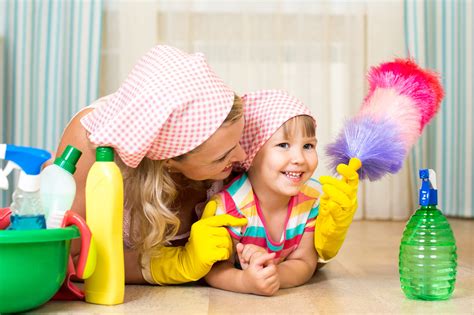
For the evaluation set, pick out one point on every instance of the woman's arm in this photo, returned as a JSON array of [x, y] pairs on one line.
[[300, 265], [75, 135], [133, 270]]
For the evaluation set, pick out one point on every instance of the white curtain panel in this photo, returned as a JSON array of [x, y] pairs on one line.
[[319, 51], [440, 35]]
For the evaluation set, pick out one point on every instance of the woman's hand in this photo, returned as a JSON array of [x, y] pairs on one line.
[[208, 243], [209, 240]]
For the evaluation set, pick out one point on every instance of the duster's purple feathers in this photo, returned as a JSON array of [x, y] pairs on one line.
[[376, 143]]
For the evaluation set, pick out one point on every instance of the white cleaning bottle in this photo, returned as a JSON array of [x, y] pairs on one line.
[[58, 187]]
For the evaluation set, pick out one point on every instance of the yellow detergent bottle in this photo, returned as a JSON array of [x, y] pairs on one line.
[[104, 216]]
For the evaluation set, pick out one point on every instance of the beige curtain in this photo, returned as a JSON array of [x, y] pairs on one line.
[[317, 50]]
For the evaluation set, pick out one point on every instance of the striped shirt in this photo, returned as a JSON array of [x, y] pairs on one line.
[[239, 200]]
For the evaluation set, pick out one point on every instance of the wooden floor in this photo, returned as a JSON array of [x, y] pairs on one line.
[[363, 279]]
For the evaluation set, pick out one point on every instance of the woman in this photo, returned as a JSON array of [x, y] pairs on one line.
[[175, 127]]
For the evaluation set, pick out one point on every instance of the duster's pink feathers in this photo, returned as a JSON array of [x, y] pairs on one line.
[[402, 99], [422, 86]]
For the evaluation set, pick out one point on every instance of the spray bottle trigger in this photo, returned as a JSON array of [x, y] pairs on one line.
[[432, 178], [3, 181], [5, 172]]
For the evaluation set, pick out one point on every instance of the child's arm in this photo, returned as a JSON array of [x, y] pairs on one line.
[[259, 278], [300, 265]]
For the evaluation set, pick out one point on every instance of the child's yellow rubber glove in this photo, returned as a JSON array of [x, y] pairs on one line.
[[337, 208], [208, 243]]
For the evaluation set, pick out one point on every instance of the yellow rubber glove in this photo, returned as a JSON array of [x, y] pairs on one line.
[[336, 210], [208, 243]]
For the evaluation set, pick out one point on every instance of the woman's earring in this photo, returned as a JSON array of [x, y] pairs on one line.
[[167, 166]]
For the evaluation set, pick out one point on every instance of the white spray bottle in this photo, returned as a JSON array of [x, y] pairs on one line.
[[27, 212]]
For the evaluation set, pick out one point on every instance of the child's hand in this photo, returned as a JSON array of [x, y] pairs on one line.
[[338, 205], [261, 276], [246, 252]]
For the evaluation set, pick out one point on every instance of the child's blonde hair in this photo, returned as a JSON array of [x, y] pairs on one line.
[[149, 193], [305, 122]]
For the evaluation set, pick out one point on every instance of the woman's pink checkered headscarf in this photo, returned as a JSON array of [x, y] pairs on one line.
[[169, 104], [265, 111]]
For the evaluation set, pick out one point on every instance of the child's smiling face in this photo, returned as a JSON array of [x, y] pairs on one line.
[[288, 158]]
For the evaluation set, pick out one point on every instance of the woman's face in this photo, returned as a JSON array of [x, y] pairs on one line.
[[214, 158]]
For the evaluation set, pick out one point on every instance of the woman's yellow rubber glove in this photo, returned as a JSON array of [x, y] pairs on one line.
[[208, 243], [338, 205]]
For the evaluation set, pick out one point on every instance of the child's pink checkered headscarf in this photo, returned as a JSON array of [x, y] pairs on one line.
[[265, 111], [169, 104]]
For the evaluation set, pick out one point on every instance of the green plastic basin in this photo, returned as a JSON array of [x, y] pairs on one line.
[[33, 266]]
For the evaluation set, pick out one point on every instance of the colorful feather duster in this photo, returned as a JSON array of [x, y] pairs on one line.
[[402, 99]]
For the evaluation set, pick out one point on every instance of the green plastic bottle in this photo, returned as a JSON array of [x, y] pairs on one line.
[[428, 260]]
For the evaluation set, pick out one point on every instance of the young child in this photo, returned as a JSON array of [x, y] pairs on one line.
[[276, 194]]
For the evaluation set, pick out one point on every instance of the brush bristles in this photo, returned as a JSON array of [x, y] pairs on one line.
[[388, 104], [402, 99], [408, 79], [376, 143]]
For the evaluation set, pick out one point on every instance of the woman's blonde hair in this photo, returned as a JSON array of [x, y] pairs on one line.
[[150, 192]]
